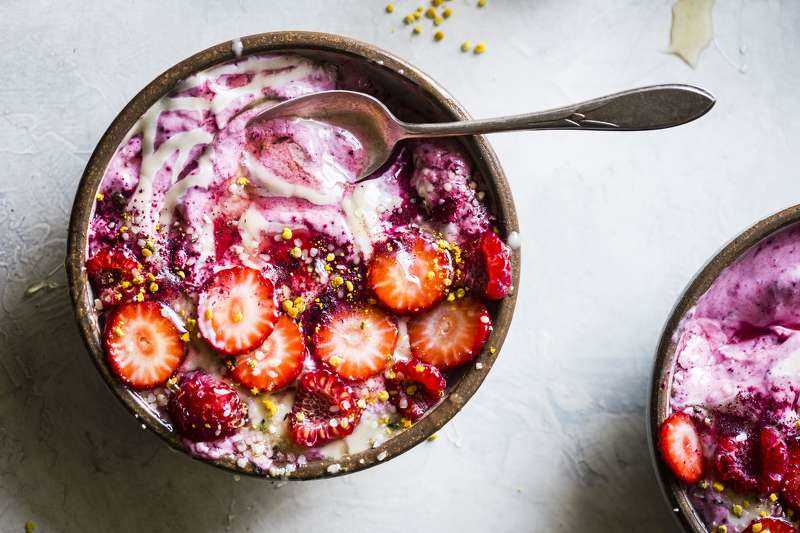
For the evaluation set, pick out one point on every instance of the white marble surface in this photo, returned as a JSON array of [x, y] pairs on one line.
[[613, 226]]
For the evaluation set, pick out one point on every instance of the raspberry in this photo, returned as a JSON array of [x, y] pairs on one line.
[[791, 481], [734, 459], [415, 388], [109, 266], [205, 408], [773, 458]]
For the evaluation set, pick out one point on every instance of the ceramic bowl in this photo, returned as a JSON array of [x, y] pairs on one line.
[[661, 380], [416, 90]]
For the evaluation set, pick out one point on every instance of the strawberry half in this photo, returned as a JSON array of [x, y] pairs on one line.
[[497, 262], [410, 274], [451, 333], [276, 363], [142, 345], [236, 311], [681, 448], [770, 525], [324, 409], [414, 387], [356, 342], [773, 459]]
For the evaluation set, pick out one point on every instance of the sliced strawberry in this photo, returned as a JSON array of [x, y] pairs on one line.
[[497, 262], [451, 333], [356, 342], [143, 346], [773, 459], [410, 273], [791, 480], [414, 387], [324, 409], [236, 311], [770, 525], [276, 363], [681, 447]]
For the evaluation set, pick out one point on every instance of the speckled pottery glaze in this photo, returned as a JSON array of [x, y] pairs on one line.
[[417, 90], [661, 380]]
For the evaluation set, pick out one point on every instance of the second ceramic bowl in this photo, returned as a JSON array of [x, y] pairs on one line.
[[661, 380]]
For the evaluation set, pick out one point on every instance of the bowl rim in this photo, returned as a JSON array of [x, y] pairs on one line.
[[661, 377], [285, 41]]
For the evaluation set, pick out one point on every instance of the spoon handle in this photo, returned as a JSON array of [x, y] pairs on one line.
[[645, 108]]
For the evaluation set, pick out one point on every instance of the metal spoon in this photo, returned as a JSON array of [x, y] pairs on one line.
[[645, 108]]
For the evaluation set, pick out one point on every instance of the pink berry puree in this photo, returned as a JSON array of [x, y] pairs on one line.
[[272, 311], [737, 374]]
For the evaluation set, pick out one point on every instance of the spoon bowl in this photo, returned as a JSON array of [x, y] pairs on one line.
[[363, 116]]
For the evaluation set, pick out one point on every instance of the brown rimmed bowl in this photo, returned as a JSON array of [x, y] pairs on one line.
[[414, 89], [658, 408]]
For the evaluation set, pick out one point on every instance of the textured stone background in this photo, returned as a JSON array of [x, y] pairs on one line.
[[613, 226]]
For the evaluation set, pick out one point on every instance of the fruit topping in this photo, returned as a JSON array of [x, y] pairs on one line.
[[111, 266], [142, 344], [324, 409], [236, 310], [410, 273], [770, 525], [773, 459], [497, 263], [451, 333], [414, 387], [680, 446], [357, 342], [204, 408], [735, 458], [115, 276], [791, 479], [276, 363]]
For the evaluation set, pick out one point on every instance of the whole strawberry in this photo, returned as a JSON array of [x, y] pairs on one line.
[[204, 408]]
